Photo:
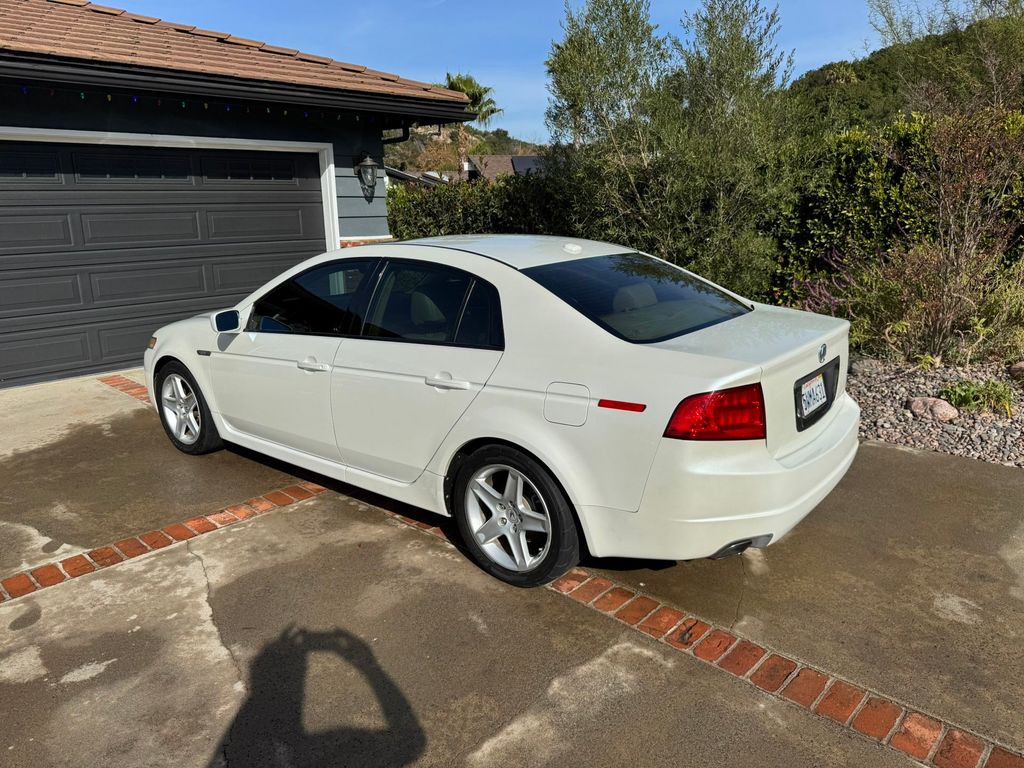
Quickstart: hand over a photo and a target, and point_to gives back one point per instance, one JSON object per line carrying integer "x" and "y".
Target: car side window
{"x": 431, "y": 303}
{"x": 320, "y": 301}
{"x": 480, "y": 325}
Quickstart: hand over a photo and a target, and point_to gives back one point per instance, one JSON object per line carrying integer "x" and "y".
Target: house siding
{"x": 350, "y": 135}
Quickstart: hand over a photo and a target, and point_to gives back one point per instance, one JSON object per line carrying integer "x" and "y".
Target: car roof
{"x": 523, "y": 251}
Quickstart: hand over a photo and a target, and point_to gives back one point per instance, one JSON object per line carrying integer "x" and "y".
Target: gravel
{"x": 882, "y": 390}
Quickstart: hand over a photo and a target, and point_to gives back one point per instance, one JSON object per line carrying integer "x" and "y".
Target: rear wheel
{"x": 514, "y": 518}
{"x": 183, "y": 411}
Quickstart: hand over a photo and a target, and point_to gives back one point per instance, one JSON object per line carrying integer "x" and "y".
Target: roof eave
{"x": 36, "y": 67}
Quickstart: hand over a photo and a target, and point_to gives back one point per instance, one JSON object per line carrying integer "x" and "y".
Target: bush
{"x": 922, "y": 234}
{"x": 512, "y": 205}
{"x": 989, "y": 395}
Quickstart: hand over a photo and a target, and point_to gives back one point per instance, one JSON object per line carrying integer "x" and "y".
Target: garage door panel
{"x": 99, "y": 168}
{"x": 28, "y": 168}
{"x": 29, "y": 355}
{"x": 246, "y": 223}
{"x": 246, "y": 275}
{"x": 100, "y": 246}
{"x": 40, "y": 293}
{"x": 135, "y": 227}
{"x": 35, "y": 230}
{"x": 161, "y": 284}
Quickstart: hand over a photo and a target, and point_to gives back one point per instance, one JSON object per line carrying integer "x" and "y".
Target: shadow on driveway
{"x": 268, "y": 730}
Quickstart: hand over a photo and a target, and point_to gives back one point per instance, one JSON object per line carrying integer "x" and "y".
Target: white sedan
{"x": 551, "y": 394}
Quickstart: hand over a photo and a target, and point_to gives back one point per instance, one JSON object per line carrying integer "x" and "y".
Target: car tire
{"x": 484, "y": 502}
{"x": 179, "y": 414}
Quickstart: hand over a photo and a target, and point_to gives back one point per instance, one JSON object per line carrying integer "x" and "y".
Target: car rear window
{"x": 636, "y": 297}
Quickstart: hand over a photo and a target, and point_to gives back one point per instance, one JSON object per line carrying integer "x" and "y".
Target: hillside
{"x": 429, "y": 149}
{"x": 874, "y": 89}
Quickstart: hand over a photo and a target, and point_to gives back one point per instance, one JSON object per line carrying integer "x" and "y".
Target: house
{"x": 152, "y": 170}
{"x": 491, "y": 167}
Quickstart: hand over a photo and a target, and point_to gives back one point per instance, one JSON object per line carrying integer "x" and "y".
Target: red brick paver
{"x": 78, "y": 565}
{"x": 687, "y": 634}
{"x": 636, "y": 609}
{"x": 105, "y": 556}
{"x": 48, "y": 575}
{"x": 841, "y": 701}
{"x": 805, "y": 687}
{"x": 917, "y": 735}
{"x": 590, "y": 589}
{"x": 742, "y": 658}
{"x": 877, "y": 718}
{"x": 1000, "y": 758}
{"x": 959, "y": 750}
{"x": 773, "y": 673}
{"x": 613, "y": 599}
{"x": 19, "y": 585}
{"x": 661, "y": 621}
{"x": 714, "y": 645}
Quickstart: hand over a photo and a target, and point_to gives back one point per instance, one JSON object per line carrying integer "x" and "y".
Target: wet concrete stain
{"x": 104, "y": 481}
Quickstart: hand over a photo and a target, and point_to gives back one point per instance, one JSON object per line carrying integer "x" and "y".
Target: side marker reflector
{"x": 622, "y": 405}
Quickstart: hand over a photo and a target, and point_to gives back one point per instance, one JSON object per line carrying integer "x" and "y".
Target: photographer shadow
{"x": 268, "y": 732}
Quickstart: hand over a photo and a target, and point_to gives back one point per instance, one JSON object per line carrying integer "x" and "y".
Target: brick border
{"x": 128, "y": 386}
{"x": 856, "y": 708}
{"x": 56, "y": 572}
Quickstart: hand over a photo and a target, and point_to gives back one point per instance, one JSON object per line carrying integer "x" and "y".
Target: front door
{"x": 431, "y": 340}
{"x": 273, "y": 380}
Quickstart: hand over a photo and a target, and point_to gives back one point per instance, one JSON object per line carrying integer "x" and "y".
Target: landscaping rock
{"x": 865, "y": 365}
{"x": 883, "y": 390}
{"x": 1016, "y": 371}
{"x": 932, "y": 408}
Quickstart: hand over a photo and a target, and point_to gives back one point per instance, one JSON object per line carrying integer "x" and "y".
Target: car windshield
{"x": 637, "y": 297}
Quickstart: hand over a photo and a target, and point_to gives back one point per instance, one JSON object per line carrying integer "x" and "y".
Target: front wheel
{"x": 514, "y": 518}
{"x": 183, "y": 411}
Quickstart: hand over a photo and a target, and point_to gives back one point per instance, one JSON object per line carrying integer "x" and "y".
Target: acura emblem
{"x": 822, "y": 351}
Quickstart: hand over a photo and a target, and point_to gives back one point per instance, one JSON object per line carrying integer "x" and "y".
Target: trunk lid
{"x": 786, "y": 345}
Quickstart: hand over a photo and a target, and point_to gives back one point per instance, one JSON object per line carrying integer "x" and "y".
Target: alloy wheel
{"x": 181, "y": 409}
{"x": 508, "y": 517}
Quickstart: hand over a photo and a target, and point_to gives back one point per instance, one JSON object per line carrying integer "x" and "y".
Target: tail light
{"x": 728, "y": 414}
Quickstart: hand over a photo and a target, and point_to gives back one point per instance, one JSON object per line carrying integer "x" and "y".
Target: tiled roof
{"x": 83, "y": 30}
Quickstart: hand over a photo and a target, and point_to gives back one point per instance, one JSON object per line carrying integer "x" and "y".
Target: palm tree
{"x": 480, "y": 102}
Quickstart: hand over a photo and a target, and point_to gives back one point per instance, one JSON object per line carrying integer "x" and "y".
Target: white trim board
{"x": 325, "y": 152}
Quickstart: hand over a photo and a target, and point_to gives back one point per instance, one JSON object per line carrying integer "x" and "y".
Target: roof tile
{"x": 80, "y": 29}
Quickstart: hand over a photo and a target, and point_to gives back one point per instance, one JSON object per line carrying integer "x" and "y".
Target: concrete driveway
{"x": 325, "y": 627}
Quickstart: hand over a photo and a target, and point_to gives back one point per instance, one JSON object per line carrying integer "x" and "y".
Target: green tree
{"x": 481, "y": 103}
{"x": 682, "y": 149}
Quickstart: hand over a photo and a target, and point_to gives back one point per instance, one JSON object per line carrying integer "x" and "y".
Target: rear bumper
{"x": 703, "y": 496}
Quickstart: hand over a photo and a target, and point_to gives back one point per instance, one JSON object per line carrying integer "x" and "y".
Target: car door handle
{"x": 309, "y": 364}
{"x": 445, "y": 381}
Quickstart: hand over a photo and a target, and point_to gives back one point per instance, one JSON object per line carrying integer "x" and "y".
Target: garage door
{"x": 101, "y": 245}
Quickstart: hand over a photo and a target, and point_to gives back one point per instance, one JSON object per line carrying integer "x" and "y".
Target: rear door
{"x": 431, "y": 339}
{"x": 273, "y": 381}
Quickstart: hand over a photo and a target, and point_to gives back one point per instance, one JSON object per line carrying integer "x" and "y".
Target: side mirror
{"x": 228, "y": 321}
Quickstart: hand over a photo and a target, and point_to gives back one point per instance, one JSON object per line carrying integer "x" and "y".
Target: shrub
{"x": 935, "y": 274}
{"x": 989, "y": 395}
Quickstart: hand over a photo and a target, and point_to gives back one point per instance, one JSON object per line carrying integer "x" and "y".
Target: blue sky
{"x": 503, "y": 44}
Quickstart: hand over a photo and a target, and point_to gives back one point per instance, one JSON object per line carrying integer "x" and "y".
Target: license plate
{"x": 812, "y": 395}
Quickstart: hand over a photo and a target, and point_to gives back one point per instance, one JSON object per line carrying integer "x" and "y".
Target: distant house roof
{"x": 77, "y": 29}
{"x": 412, "y": 177}
{"x": 493, "y": 166}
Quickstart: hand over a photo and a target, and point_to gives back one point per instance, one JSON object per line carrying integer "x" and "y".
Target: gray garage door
{"x": 101, "y": 245}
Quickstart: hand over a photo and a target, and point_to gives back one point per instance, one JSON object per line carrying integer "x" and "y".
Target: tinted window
{"x": 481, "y": 318}
{"x": 637, "y": 297}
{"x": 417, "y": 302}
{"x": 423, "y": 302}
{"x": 320, "y": 301}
